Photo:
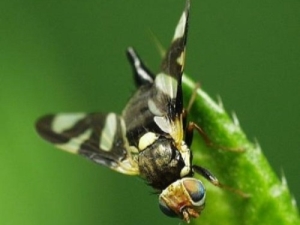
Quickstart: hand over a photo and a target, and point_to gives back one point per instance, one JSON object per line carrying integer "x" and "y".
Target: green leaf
{"x": 270, "y": 202}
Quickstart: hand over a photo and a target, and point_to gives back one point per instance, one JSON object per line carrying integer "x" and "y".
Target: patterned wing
{"x": 173, "y": 63}
{"x": 99, "y": 137}
{"x": 169, "y": 101}
{"x": 142, "y": 75}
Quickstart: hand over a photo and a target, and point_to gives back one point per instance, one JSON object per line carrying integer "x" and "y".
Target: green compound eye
{"x": 195, "y": 190}
{"x": 183, "y": 198}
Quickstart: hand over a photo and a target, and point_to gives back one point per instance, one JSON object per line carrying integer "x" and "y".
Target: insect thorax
{"x": 137, "y": 116}
{"x": 160, "y": 163}
{"x": 159, "y": 160}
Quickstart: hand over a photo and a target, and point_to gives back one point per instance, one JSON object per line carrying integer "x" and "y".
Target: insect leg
{"x": 191, "y": 126}
{"x": 214, "y": 180}
{"x": 189, "y": 133}
{"x": 193, "y": 97}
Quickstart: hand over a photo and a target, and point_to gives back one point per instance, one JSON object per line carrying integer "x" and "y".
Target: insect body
{"x": 150, "y": 138}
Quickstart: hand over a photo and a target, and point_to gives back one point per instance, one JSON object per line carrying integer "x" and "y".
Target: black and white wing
{"x": 157, "y": 106}
{"x": 173, "y": 62}
{"x": 168, "y": 83}
{"x": 99, "y": 137}
{"x": 142, "y": 75}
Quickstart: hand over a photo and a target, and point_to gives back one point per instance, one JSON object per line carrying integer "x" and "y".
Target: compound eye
{"x": 165, "y": 209}
{"x": 195, "y": 190}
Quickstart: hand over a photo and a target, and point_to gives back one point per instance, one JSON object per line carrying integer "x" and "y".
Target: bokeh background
{"x": 65, "y": 56}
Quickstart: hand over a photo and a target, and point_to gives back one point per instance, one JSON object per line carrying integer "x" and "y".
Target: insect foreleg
{"x": 214, "y": 180}
{"x": 191, "y": 126}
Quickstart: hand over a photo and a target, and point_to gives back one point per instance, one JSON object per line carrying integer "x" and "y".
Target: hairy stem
{"x": 249, "y": 171}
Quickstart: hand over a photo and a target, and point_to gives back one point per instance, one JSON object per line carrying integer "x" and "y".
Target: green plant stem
{"x": 270, "y": 202}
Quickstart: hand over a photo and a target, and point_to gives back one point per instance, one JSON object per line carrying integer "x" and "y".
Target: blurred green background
{"x": 69, "y": 56}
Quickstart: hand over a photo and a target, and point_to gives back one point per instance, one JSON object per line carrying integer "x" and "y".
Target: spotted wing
{"x": 99, "y": 137}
